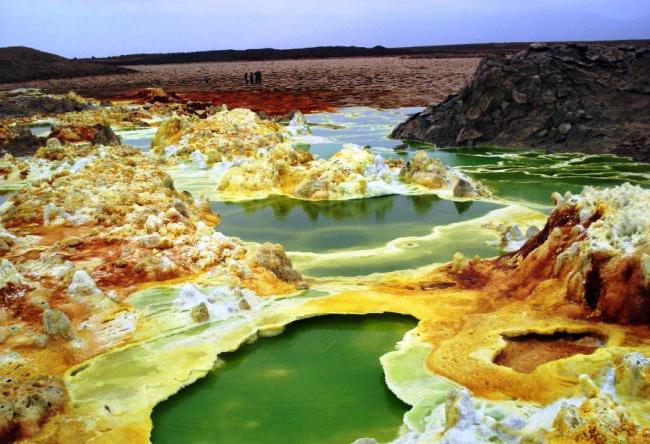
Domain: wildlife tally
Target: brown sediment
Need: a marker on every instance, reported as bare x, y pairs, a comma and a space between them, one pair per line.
527, 352
12, 298
436, 285
274, 103
306, 85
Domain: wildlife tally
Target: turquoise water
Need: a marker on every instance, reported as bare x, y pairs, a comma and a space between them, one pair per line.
4, 196
515, 174
360, 126
523, 176
139, 138
529, 176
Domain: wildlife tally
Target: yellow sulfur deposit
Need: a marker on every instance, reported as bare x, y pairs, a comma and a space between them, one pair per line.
76, 243
246, 157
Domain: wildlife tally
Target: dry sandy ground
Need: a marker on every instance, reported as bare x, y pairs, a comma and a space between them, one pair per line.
290, 84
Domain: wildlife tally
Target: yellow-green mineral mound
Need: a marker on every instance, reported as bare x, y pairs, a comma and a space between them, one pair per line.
75, 244
248, 157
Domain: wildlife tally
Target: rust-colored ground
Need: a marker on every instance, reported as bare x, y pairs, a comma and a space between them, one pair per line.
308, 85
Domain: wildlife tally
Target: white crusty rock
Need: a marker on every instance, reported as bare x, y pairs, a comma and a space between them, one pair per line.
9, 274
83, 286
217, 303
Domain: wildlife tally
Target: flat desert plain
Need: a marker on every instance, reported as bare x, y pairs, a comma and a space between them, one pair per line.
308, 85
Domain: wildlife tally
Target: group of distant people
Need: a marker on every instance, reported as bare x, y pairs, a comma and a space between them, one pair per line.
253, 78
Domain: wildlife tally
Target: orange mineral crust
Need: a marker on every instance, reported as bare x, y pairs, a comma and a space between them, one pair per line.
583, 274
470, 331
529, 325
595, 247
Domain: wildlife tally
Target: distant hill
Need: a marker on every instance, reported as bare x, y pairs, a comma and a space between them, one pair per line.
20, 64
321, 52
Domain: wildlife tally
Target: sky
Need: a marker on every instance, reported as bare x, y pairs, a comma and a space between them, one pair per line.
84, 28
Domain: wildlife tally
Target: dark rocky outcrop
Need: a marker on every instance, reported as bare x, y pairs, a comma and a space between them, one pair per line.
27, 102
20, 64
105, 135
19, 141
325, 52
582, 98
98, 134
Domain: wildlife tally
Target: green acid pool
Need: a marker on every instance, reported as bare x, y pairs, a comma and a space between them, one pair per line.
318, 382
342, 225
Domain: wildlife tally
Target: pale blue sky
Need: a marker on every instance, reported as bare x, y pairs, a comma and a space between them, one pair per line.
94, 27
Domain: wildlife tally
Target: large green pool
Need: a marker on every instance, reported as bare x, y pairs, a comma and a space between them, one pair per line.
318, 382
